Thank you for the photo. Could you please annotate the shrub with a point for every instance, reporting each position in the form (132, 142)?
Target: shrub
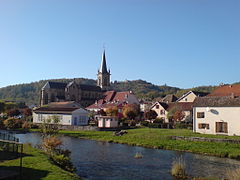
(158, 120)
(50, 144)
(12, 123)
(63, 161)
(26, 125)
(144, 123)
(154, 125)
(179, 168)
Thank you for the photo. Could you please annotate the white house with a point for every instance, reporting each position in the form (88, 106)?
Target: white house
(162, 109)
(69, 113)
(107, 121)
(217, 115)
(190, 96)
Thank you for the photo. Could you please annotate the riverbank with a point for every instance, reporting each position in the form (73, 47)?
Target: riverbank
(36, 166)
(161, 139)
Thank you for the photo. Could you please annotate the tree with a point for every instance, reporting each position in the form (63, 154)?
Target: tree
(50, 126)
(131, 111)
(175, 115)
(112, 111)
(102, 112)
(150, 115)
(27, 112)
(2, 106)
(13, 112)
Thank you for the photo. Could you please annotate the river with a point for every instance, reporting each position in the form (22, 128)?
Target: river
(109, 161)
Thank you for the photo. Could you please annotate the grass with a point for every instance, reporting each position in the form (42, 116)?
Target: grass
(160, 139)
(36, 166)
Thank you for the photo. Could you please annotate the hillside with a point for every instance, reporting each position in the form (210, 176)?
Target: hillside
(30, 92)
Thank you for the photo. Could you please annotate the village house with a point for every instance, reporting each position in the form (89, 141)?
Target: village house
(217, 115)
(145, 105)
(114, 99)
(191, 96)
(162, 109)
(107, 121)
(227, 90)
(69, 113)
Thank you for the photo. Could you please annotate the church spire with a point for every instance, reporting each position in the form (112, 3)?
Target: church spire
(103, 74)
(103, 68)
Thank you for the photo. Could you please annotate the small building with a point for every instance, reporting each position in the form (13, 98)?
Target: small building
(217, 115)
(145, 105)
(191, 96)
(107, 121)
(69, 113)
(113, 98)
(162, 109)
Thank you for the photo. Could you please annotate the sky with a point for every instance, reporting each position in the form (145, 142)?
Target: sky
(182, 43)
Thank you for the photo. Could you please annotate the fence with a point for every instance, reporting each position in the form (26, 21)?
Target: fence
(9, 143)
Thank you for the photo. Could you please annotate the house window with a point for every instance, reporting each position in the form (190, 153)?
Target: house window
(221, 127)
(203, 126)
(186, 99)
(200, 115)
(162, 112)
(157, 106)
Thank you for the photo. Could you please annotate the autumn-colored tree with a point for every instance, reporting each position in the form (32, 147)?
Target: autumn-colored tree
(175, 114)
(27, 112)
(102, 112)
(112, 111)
(13, 112)
(131, 111)
(150, 115)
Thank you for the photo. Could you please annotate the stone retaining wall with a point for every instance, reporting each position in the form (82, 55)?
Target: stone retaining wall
(204, 139)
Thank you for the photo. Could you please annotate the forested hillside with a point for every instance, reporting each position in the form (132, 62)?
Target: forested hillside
(30, 93)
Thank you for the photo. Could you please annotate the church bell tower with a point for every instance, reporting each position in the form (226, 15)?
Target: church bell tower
(103, 80)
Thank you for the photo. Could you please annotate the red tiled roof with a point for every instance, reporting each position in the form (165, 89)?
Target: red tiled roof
(227, 90)
(111, 98)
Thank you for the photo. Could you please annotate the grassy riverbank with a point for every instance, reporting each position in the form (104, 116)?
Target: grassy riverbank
(36, 166)
(160, 138)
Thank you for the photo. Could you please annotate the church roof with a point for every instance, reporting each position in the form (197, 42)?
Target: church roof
(86, 87)
(56, 85)
(103, 68)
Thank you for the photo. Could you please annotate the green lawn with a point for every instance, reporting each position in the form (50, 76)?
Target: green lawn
(36, 166)
(160, 138)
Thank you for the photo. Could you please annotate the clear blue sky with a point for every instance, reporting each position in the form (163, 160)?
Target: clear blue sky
(182, 43)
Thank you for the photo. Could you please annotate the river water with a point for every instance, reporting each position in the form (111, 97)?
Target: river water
(108, 161)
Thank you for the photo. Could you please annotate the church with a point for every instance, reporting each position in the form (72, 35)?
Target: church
(73, 91)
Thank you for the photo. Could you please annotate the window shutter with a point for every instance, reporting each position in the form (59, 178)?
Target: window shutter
(225, 127)
(217, 127)
(199, 126)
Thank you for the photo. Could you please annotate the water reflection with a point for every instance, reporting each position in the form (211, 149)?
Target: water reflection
(102, 160)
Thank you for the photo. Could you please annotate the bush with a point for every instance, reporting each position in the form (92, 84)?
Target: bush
(182, 125)
(63, 161)
(179, 168)
(158, 120)
(144, 123)
(12, 123)
(26, 125)
(154, 125)
(50, 144)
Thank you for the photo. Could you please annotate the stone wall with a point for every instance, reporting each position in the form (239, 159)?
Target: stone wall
(204, 139)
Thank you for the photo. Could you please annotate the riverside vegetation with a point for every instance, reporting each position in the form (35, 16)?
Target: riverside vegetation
(161, 139)
(36, 166)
